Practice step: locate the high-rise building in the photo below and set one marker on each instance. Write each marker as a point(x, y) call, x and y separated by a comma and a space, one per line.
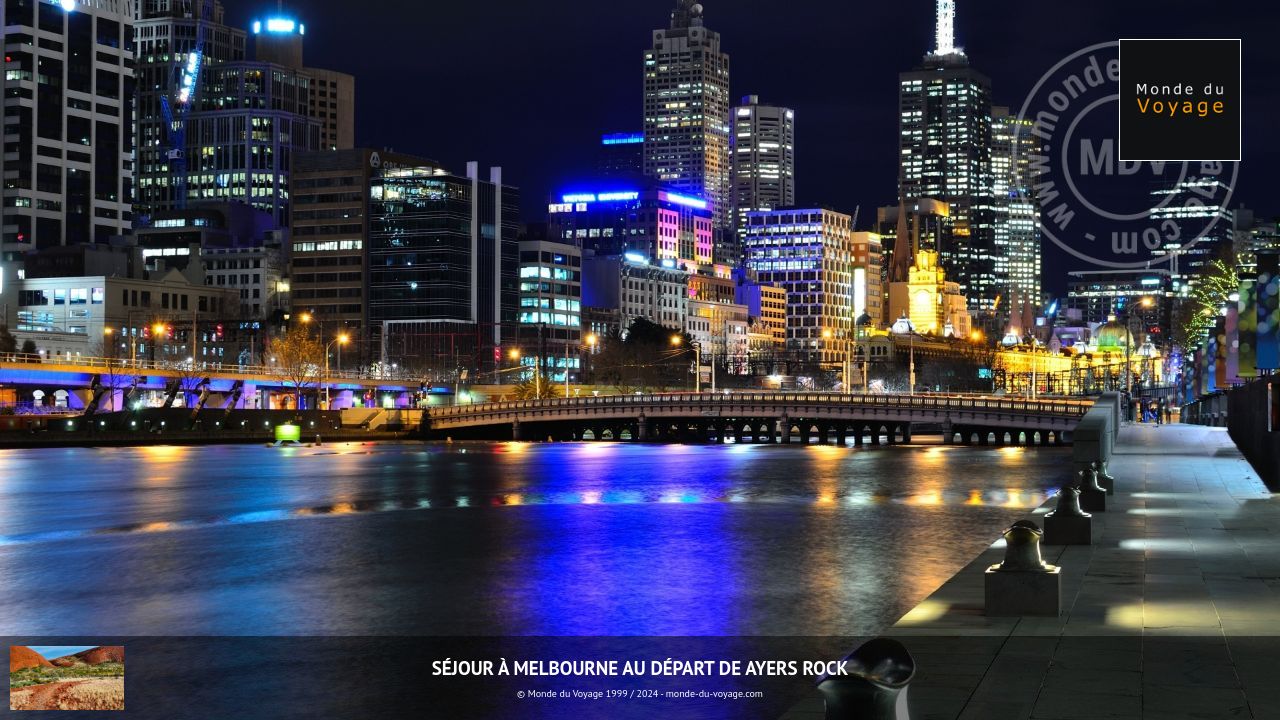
point(68, 87)
point(868, 285)
point(809, 253)
point(167, 31)
point(1093, 296)
point(1193, 204)
point(329, 226)
point(1252, 235)
point(686, 115)
point(656, 225)
point(764, 158)
point(944, 142)
point(550, 319)
point(621, 155)
point(1017, 217)
point(443, 267)
point(247, 117)
point(767, 307)
point(250, 120)
point(332, 101)
point(905, 230)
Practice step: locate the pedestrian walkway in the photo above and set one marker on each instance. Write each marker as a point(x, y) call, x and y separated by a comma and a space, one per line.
point(1173, 612)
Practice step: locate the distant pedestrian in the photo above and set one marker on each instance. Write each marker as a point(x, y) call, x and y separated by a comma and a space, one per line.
point(1160, 411)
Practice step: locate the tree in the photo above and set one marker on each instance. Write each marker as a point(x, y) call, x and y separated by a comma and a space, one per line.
point(298, 358)
point(541, 387)
point(114, 375)
point(646, 358)
point(1197, 315)
point(29, 348)
point(8, 343)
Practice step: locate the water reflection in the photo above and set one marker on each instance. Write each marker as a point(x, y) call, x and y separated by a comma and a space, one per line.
point(504, 538)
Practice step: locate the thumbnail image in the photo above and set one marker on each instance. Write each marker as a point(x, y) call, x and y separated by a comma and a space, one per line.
point(66, 677)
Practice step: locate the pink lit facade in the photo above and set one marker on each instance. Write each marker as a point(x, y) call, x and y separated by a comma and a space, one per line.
point(659, 226)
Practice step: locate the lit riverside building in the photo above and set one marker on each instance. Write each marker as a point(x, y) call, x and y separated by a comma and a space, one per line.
point(68, 112)
point(1017, 216)
point(686, 116)
point(659, 226)
point(764, 158)
point(809, 253)
point(443, 258)
point(944, 141)
point(329, 226)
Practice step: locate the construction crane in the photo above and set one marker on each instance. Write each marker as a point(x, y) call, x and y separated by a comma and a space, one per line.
point(186, 86)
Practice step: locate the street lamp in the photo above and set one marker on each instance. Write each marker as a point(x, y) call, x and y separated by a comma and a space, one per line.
point(904, 326)
point(514, 355)
point(677, 341)
point(862, 328)
point(590, 344)
point(1147, 302)
point(339, 341)
point(157, 331)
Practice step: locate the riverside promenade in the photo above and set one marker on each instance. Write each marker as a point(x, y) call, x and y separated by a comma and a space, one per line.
point(1173, 612)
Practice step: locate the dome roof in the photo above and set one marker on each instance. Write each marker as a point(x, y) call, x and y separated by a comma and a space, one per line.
point(1113, 336)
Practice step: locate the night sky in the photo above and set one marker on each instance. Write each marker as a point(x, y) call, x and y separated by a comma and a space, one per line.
point(531, 85)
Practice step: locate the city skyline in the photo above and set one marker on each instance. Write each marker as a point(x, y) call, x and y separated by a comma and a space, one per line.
point(846, 124)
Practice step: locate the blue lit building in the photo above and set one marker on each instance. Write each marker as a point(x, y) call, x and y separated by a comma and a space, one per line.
point(622, 155)
point(661, 226)
point(166, 33)
point(248, 117)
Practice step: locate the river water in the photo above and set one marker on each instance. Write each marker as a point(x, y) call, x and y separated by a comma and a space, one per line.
point(496, 538)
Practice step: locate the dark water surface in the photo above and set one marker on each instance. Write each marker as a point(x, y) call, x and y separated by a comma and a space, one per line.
point(496, 539)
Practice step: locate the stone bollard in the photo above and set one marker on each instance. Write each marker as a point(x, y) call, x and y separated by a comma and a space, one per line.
point(1023, 584)
point(875, 686)
point(1105, 480)
point(1068, 524)
point(1093, 497)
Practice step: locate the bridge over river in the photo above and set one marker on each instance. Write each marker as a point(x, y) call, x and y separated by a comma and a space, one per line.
point(766, 417)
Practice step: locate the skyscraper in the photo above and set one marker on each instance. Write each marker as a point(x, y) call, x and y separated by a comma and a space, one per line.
point(621, 155)
point(944, 141)
point(329, 227)
point(248, 117)
point(1194, 204)
point(68, 87)
point(443, 266)
point(1017, 216)
point(686, 115)
point(332, 99)
point(166, 35)
point(813, 254)
point(764, 158)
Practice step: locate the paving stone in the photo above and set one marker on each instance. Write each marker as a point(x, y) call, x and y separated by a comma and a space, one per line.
point(1173, 612)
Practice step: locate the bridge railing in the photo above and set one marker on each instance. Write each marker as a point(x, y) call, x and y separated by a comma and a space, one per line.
point(1054, 406)
point(127, 365)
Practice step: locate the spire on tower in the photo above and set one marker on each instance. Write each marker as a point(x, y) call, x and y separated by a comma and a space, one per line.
point(904, 250)
point(946, 30)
